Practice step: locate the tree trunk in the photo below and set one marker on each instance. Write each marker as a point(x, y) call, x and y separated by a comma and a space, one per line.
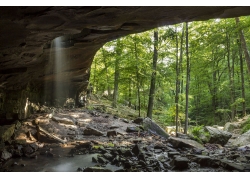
point(243, 44)
point(230, 76)
point(242, 82)
point(117, 73)
point(177, 85)
point(153, 77)
point(137, 78)
point(187, 81)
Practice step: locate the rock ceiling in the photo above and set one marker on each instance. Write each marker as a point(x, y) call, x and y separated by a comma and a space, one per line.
point(26, 35)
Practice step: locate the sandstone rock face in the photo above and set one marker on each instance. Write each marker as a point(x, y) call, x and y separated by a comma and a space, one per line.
point(31, 38)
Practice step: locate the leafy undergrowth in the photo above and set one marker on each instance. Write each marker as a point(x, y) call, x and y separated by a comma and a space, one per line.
point(105, 106)
point(246, 126)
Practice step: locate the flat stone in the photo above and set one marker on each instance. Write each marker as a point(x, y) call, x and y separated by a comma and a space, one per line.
point(92, 131)
point(179, 143)
point(63, 120)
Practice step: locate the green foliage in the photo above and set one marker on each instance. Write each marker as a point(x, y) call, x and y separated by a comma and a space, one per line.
point(215, 71)
point(198, 134)
point(245, 126)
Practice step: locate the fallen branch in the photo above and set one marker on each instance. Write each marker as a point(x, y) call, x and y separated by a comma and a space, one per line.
point(50, 135)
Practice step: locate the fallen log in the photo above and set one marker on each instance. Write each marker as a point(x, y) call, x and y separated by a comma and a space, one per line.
point(50, 135)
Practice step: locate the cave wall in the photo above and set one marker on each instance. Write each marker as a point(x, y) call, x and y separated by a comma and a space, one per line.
point(28, 37)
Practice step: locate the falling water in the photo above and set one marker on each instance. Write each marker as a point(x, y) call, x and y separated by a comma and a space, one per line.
point(57, 86)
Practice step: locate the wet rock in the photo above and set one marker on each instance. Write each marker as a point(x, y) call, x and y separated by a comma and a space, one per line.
point(79, 169)
point(63, 120)
point(6, 132)
point(111, 133)
point(92, 131)
point(132, 129)
point(108, 156)
point(242, 140)
point(154, 128)
point(86, 145)
point(4, 155)
point(179, 143)
point(101, 160)
point(180, 163)
point(138, 120)
point(96, 169)
point(217, 136)
point(94, 160)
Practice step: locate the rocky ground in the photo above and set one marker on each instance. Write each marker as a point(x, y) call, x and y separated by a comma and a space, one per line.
point(90, 141)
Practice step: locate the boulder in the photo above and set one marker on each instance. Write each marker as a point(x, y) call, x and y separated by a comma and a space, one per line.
point(242, 140)
point(217, 136)
point(230, 127)
point(154, 128)
point(6, 132)
point(92, 131)
point(179, 143)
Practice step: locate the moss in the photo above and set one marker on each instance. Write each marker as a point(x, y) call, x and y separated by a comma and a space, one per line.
point(245, 128)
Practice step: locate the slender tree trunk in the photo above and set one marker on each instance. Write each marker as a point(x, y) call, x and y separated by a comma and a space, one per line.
point(181, 77)
point(177, 85)
point(153, 77)
point(243, 45)
point(230, 74)
point(137, 78)
point(242, 82)
point(187, 81)
point(117, 73)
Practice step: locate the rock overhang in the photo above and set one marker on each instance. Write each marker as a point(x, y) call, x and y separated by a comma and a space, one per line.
point(27, 34)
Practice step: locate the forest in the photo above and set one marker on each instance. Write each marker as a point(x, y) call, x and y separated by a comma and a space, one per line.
point(193, 73)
